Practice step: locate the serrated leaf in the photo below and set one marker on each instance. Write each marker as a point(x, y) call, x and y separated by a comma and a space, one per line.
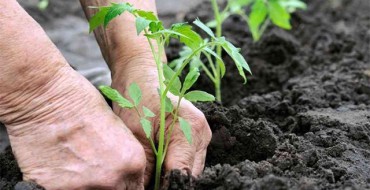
point(148, 112)
point(168, 74)
point(278, 15)
point(147, 127)
point(135, 93)
point(239, 60)
point(186, 129)
point(98, 18)
point(141, 24)
point(199, 96)
point(156, 26)
point(184, 54)
point(115, 96)
point(188, 36)
point(148, 15)
point(205, 28)
point(115, 10)
point(257, 16)
point(220, 61)
point(169, 106)
point(190, 79)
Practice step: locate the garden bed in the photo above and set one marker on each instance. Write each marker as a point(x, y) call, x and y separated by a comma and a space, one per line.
point(303, 119)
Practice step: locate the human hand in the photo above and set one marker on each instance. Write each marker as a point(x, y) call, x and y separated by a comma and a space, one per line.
point(65, 136)
point(181, 155)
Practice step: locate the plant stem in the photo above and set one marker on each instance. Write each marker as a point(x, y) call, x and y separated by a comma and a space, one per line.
point(172, 126)
point(186, 62)
point(157, 57)
point(218, 49)
point(162, 126)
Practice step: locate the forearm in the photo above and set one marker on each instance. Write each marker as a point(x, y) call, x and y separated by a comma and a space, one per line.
point(29, 62)
point(119, 42)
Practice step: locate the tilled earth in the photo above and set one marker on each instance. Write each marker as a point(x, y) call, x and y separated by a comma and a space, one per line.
point(303, 119)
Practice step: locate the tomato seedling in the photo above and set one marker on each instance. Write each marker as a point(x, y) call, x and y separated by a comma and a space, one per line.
point(261, 14)
point(169, 81)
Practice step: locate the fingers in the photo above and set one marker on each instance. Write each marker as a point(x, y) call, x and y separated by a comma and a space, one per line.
point(182, 155)
point(150, 160)
point(199, 162)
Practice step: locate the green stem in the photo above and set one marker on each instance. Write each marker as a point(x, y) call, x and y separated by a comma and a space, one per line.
point(218, 49)
point(162, 126)
point(153, 146)
point(186, 62)
point(172, 126)
point(211, 63)
point(157, 57)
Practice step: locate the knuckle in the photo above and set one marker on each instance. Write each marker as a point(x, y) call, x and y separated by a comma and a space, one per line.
point(199, 122)
point(137, 161)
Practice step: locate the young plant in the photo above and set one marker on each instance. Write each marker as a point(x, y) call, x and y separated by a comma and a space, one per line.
point(262, 13)
point(169, 81)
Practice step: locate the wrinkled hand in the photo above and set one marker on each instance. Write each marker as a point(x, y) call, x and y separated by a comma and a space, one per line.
point(181, 155)
point(72, 140)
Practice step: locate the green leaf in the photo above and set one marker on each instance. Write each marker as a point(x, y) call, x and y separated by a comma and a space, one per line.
point(115, 10)
point(220, 61)
point(257, 17)
point(169, 106)
point(141, 24)
point(278, 15)
point(98, 18)
point(168, 75)
point(188, 36)
point(148, 15)
point(186, 129)
point(212, 24)
point(190, 79)
point(237, 5)
point(239, 60)
point(292, 5)
point(205, 28)
point(199, 96)
point(135, 93)
point(195, 62)
point(148, 112)
point(115, 96)
point(147, 126)
point(156, 26)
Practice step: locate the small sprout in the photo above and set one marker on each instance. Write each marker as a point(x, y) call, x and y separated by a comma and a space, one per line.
point(262, 12)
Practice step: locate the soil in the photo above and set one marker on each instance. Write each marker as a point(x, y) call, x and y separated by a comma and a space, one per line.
point(303, 119)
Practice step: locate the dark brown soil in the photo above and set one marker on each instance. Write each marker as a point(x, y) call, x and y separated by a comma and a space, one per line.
point(303, 119)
